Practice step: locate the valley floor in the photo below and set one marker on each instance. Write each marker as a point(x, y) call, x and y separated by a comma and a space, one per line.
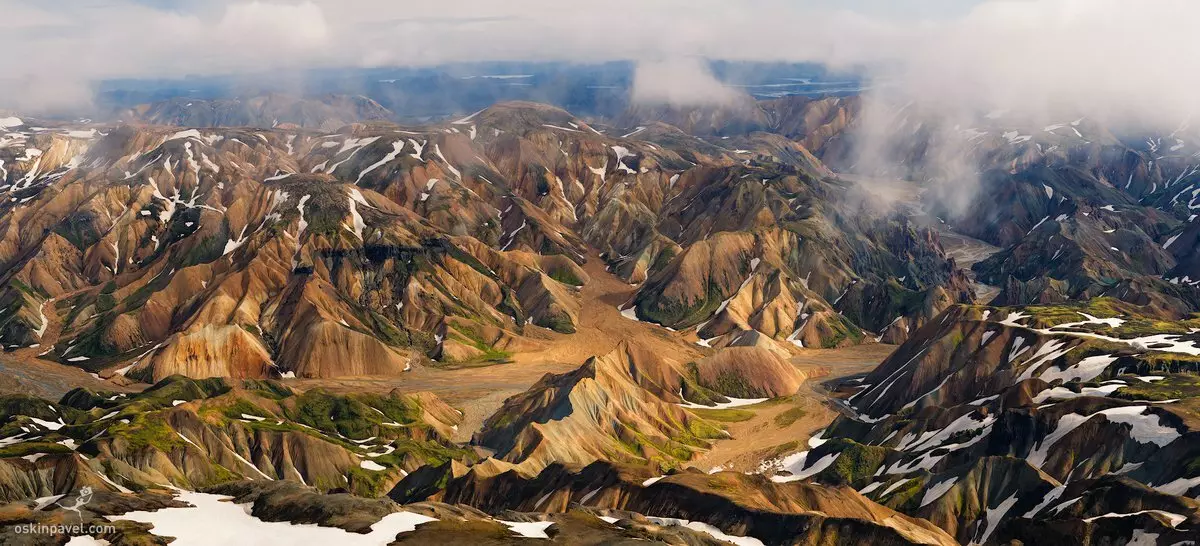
point(480, 391)
point(770, 429)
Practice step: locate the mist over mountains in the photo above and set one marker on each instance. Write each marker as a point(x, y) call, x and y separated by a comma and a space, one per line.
point(702, 273)
point(424, 94)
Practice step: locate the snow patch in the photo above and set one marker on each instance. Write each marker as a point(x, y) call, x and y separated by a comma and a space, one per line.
point(532, 529)
point(708, 529)
point(213, 520)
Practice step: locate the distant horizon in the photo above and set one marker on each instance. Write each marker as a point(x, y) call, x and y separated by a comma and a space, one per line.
point(555, 82)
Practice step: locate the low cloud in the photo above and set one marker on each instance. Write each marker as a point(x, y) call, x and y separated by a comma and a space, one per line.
point(679, 82)
point(64, 54)
point(1112, 58)
point(1122, 61)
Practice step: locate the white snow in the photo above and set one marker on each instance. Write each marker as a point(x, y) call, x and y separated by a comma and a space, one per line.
point(1015, 137)
point(429, 185)
point(1142, 538)
point(929, 440)
point(1110, 322)
point(233, 244)
point(1012, 318)
point(894, 487)
point(732, 403)
point(934, 438)
point(214, 521)
point(984, 400)
point(1170, 343)
point(12, 440)
point(438, 151)
point(1063, 393)
point(467, 119)
point(796, 463)
point(45, 322)
point(600, 171)
point(372, 465)
point(1146, 429)
point(300, 207)
point(870, 487)
point(1178, 486)
point(652, 481)
point(588, 496)
point(420, 148)
point(359, 224)
point(512, 237)
point(635, 131)
point(706, 528)
point(1173, 518)
point(936, 492)
point(1050, 497)
point(49, 425)
point(994, 516)
point(753, 267)
point(622, 153)
point(85, 540)
point(355, 144)
point(1018, 347)
point(532, 529)
point(190, 133)
point(247, 463)
point(397, 147)
point(1086, 370)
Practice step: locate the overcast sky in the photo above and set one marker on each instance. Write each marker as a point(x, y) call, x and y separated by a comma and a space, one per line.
point(106, 38)
point(1103, 54)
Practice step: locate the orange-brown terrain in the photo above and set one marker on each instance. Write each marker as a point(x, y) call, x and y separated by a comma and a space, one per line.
point(695, 333)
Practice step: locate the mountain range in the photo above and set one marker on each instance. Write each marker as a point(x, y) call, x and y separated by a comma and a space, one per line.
point(685, 324)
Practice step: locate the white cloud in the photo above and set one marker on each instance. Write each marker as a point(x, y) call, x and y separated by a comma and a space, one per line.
point(56, 68)
point(1123, 58)
point(1108, 58)
point(679, 82)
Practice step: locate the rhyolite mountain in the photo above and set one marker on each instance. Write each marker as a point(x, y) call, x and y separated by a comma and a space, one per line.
point(1079, 210)
point(248, 253)
point(1007, 424)
point(328, 112)
point(248, 293)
